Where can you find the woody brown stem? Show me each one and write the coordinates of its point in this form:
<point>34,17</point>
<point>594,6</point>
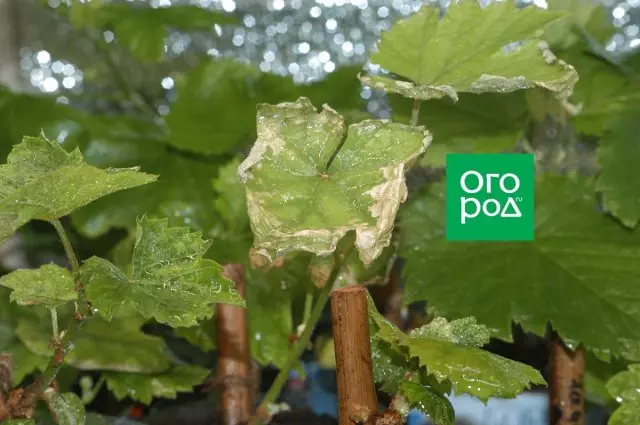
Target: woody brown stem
<point>356,389</point>
<point>566,384</point>
<point>233,355</point>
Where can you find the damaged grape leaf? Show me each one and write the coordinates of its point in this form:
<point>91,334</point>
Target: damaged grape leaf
<point>144,388</point>
<point>450,358</point>
<point>306,189</point>
<point>169,280</point>
<point>587,259</point>
<point>625,388</point>
<point>466,51</point>
<point>42,181</point>
<point>50,285</point>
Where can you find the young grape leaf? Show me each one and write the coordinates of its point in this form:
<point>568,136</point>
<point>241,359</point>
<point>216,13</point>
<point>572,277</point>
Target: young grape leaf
<point>66,408</point>
<point>42,181</point>
<point>587,260</point>
<point>425,399</point>
<point>487,122</point>
<point>465,52</point>
<point>50,285</point>
<point>169,281</point>
<point>625,388</point>
<point>397,373</point>
<point>619,181</point>
<point>306,189</point>
<point>118,345</point>
<point>467,368</point>
<point>143,29</point>
<point>464,331</point>
<point>144,388</point>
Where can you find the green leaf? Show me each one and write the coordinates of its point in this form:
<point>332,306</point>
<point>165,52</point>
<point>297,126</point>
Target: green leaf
<point>232,238</point>
<point>170,281</point>
<point>228,91</point>
<point>390,365</point>
<point>421,49</point>
<point>23,360</point>
<point>118,345</point>
<point>462,331</point>
<point>625,388</point>
<point>19,422</point>
<point>42,181</point>
<point>298,199</point>
<point>584,14</point>
<point>50,285</point>
<point>203,335</point>
<point>602,93</point>
<point>466,368</point>
<point>66,408</point>
<point>22,114</point>
<point>619,181</point>
<point>469,369</point>
<point>476,123</point>
<point>587,260</point>
<point>428,401</point>
<point>143,388</point>
<point>183,193</point>
<point>143,29</point>
<point>270,323</point>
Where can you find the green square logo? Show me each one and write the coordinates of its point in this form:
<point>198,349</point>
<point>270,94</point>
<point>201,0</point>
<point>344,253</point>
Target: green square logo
<point>489,197</point>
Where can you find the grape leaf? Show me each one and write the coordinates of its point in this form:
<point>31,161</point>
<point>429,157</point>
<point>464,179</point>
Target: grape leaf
<point>203,335</point>
<point>487,122</point>
<point>169,281</point>
<point>232,238</point>
<point>461,331</point>
<point>587,260</point>
<point>465,52</point>
<point>625,388</point>
<point>467,368</point>
<point>50,285</point>
<point>602,93</point>
<point>143,388</point>
<point>22,114</point>
<point>586,16</point>
<point>19,422</point>
<point>42,181</point>
<point>118,345</point>
<point>227,90</point>
<point>271,323</point>
<point>23,360</point>
<point>183,193</point>
<point>66,408</point>
<point>428,401</point>
<point>619,182</point>
<point>143,29</point>
<point>305,189</point>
